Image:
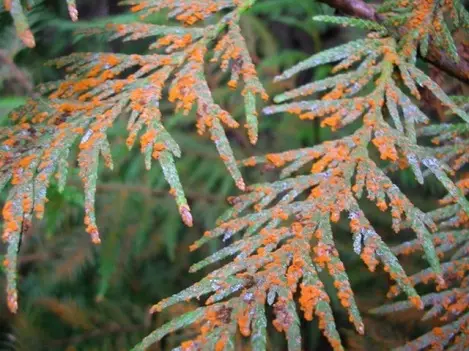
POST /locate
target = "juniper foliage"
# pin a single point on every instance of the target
(279, 236)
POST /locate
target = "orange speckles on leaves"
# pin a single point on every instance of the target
(335, 216)
(463, 184)
(294, 110)
(140, 97)
(40, 117)
(275, 159)
(261, 251)
(232, 84)
(390, 55)
(244, 322)
(438, 332)
(280, 214)
(67, 107)
(320, 165)
(148, 139)
(110, 60)
(322, 254)
(21, 169)
(382, 205)
(309, 297)
(197, 54)
(39, 209)
(183, 92)
(118, 86)
(227, 119)
(344, 293)
(307, 116)
(11, 221)
(189, 345)
(318, 234)
(95, 71)
(338, 152)
(355, 225)
(268, 238)
(92, 230)
(92, 140)
(172, 192)
(26, 161)
(157, 148)
(9, 142)
(333, 122)
(422, 12)
(25, 126)
(139, 7)
(295, 272)
(417, 302)
(220, 345)
(194, 12)
(176, 41)
(385, 145)
(397, 205)
(368, 256)
(27, 204)
(250, 161)
(283, 318)
(393, 292)
(335, 94)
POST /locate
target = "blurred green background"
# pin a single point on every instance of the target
(75, 296)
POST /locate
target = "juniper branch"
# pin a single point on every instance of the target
(435, 56)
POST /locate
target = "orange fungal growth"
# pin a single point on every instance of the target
(278, 240)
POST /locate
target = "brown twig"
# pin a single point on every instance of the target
(436, 56)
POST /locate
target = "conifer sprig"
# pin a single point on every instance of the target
(425, 21)
(280, 233)
(101, 87)
(278, 236)
(448, 305)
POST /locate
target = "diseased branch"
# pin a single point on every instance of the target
(436, 56)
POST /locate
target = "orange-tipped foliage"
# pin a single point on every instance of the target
(280, 234)
(448, 306)
(20, 20)
(99, 88)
